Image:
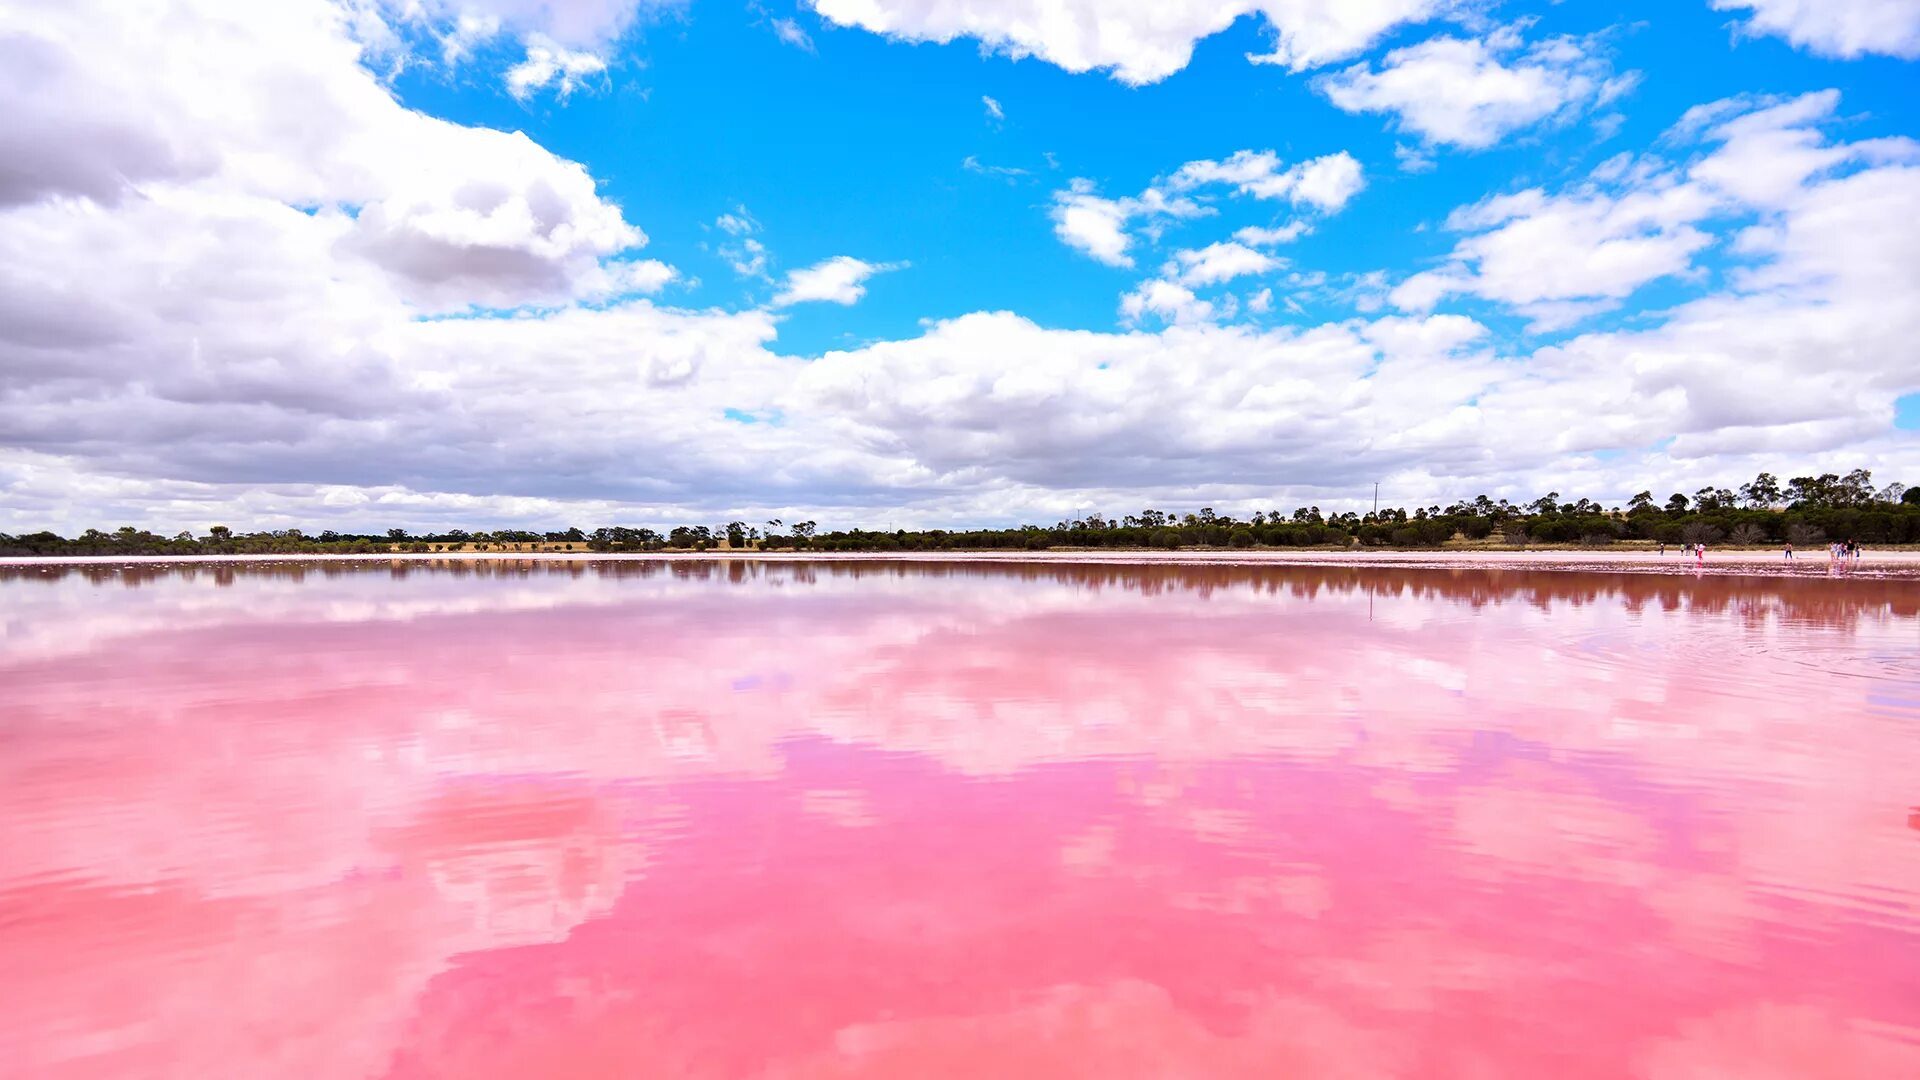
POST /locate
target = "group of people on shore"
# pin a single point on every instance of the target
(1840, 551)
(1698, 552)
(1845, 553)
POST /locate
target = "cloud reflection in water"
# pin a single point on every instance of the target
(878, 820)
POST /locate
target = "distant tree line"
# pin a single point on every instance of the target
(1805, 510)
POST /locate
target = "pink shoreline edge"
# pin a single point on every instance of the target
(1878, 565)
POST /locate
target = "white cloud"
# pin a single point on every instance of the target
(1099, 226)
(646, 276)
(239, 320)
(1139, 41)
(1473, 93)
(1092, 224)
(791, 32)
(1559, 258)
(1171, 296)
(1770, 148)
(1259, 236)
(1723, 377)
(1536, 252)
(1171, 301)
(1218, 263)
(742, 250)
(839, 280)
(1414, 158)
(1726, 374)
(1310, 33)
(748, 257)
(452, 215)
(1194, 404)
(1006, 172)
(551, 64)
(994, 111)
(565, 42)
(468, 31)
(1839, 28)
(1325, 183)
(575, 24)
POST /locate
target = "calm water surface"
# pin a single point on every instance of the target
(649, 819)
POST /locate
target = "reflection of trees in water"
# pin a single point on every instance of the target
(1815, 601)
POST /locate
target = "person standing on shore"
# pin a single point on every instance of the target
(1700, 553)
(1789, 550)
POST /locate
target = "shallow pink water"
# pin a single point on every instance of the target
(721, 819)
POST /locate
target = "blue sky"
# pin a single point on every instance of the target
(706, 109)
(980, 261)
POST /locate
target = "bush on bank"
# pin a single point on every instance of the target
(1805, 511)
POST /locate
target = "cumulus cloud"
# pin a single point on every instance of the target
(1217, 263)
(647, 276)
(1717, 388)
(748, 257)
(1170, 300)
(246, 314)
(1099, 226)
(1095, 225)
(1558, 258)
(576, 24)
(1139, 41)
(1008, 173)
(453, 215)
(551, 64)
(839, 280)
(1325, 183)
(1172, 294)
(1262, 236)
(58, 136)
(742, 250)
(565, 42)
(1193, 404)
(1840, 28)
(791, 32)
(1723, 375)
(1472, 93)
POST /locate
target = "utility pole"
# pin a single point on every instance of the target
(1376, 500)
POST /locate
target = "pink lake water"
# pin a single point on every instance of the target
(660, 819)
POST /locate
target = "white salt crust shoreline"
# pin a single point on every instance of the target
(1747, 563)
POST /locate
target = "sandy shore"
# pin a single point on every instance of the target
(1769, 563)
